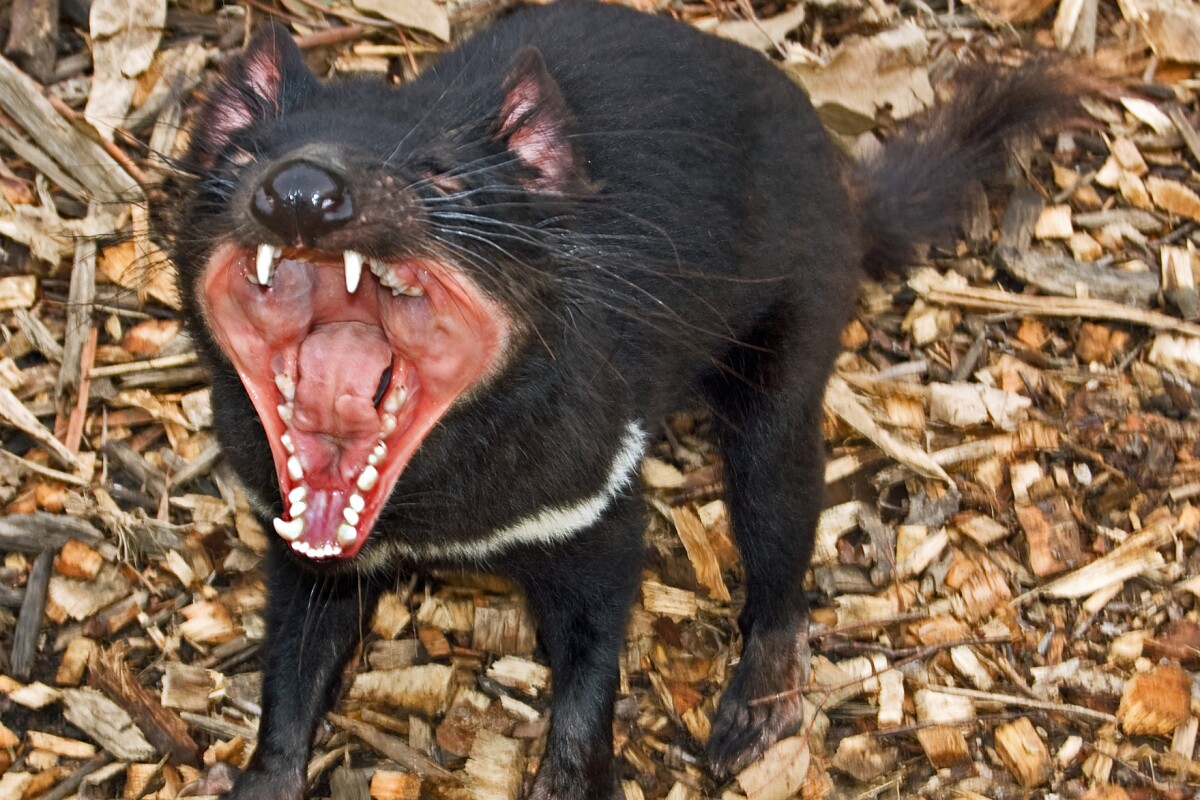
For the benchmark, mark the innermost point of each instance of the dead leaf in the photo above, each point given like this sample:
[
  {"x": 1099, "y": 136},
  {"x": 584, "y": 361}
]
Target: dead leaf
[
  {"x": 125, "y": 36},
  {"x": 1172, "y": 27},
  {"x": 868, "y": 74},
  {"x": 420, "y": 15}
]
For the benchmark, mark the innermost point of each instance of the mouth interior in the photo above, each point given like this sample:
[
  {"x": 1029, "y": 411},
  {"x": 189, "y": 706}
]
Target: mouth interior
[{"x": 349, "y": 369}]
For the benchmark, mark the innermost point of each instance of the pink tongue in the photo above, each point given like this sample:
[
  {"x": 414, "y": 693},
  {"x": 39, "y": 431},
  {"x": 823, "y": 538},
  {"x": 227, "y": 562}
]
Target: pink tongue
[{"x": 340, "y": 366}]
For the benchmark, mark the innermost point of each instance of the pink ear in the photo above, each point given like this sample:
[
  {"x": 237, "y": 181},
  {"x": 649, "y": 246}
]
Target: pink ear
[
  {"x": 255, "y": 87},
  {"x": 533, "y": 122}
]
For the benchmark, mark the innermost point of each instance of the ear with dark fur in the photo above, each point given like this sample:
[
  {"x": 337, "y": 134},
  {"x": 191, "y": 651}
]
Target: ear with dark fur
[
  {"x": 533, "y": 123},
  {"x": 263, "y": 82}
]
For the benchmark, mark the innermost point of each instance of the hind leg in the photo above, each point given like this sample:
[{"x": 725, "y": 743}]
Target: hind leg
[{"x": 769, "y": 424}]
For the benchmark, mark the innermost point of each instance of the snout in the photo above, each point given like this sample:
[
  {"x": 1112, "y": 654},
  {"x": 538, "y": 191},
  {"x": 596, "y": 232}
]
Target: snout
[{"x": 302, "y": 201}]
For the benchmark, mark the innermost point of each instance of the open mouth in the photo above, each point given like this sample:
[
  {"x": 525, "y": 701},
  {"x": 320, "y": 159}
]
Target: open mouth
[{"x": 349, "y": 361}]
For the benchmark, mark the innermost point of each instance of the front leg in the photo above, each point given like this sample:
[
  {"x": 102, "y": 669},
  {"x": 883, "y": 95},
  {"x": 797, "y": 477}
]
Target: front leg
[
  {"x": 313, "y": 624},
  {"x": 580, "y": 593}
]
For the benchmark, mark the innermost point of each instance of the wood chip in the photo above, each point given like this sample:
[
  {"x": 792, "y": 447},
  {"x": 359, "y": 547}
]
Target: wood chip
[
  {"x": 1155, "y": 703},
  {"x": 700, "y": 553},
  {"x": 496, "y": 766},
  {"x": 424, "y": 688},
  {"x": 106, "y": 723},
  {"x": 1023, "y": 752},
  {"x": 779, "y": 772}
]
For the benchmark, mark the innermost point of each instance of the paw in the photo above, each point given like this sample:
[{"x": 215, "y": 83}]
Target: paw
[
  {"x": 555, "y": 781},
  {"x": 224, "y": 781},
  {"x": 762, "y": 703}
]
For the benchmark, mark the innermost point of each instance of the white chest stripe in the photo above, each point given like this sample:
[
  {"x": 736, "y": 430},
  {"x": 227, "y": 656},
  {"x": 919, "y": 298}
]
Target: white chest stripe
[{"x": 551, "y": 525}]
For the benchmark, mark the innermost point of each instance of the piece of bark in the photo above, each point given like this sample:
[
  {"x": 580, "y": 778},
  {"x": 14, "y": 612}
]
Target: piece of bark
[
  {"x": 778, "y": 773},
  {"x": 107, "y": 723},
  {"x": 496, "y": 767},
  {"x": 424, "y": 688},
  {"x": 394, "y": 748},
  {"x": 943, "y": 745},
  {"x": 74, "y": 661},
  {"x": 504, "y": 627},
  {"x": 1179, "y": 641},
  {"x": 108, "y": 672},
  {"x": 77, "y": 560},
  {"x": 86, "y": 161},
  {"x": 527, "y": 677},
  {"x": 32, "y": 533},
  {"x": 1023, "y": 752},
  {"x": 1156, "y": 702},
  {"x": 187, "y": 687},
  {"x": 699, "y": 551},
  {"x": 862, "y": 757},
  {"x": 392, "y": 785},
  {"x": 25, "y": 635},
  {"x": 1052, "y": 536},
  {"x": 669, "y": 601},
  {"x": 349, "y": 784}
]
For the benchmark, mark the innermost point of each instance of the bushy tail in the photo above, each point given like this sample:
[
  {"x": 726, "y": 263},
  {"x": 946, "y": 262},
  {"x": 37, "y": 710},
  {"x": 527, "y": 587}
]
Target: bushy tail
[{"x": 912, "y": 193}]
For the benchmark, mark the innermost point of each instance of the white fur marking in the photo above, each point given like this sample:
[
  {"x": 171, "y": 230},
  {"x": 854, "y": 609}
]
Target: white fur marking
[{"x": 552, "y": 525}]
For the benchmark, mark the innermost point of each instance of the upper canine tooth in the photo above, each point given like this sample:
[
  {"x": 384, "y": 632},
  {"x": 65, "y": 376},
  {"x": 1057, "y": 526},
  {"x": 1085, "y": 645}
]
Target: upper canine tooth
[
  {"x": 290, "y": 530},
  {"x": 354, "y": 265},
  {"x": 264, "y": 263}
]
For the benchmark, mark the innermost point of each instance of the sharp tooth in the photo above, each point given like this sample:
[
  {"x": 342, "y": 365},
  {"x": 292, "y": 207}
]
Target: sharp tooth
[
  {"x": 377, "y": 455},
  {"x": 286, "y": 386},
  {"x": 350, "y": 515},
  {"x": 366, "y": 481},
  {"x": 357, "y": 503},
  {"x": 285, "y": 411},
  {"x": 389, "y": 425},
  {"x": 297, "y": 495},
  {"x": 295, "y": 468},
  {"x": 297, "y": 509},
  {"x": 288, "y": 444},
  {"x": 289, "y": 530},
  {"x": 346, "y": 535},
  {"x": 264, "y": 264},
  {"x": 354, "y": 265}
]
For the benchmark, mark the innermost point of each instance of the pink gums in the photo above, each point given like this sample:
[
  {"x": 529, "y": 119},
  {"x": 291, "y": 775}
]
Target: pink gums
[{"x": 337, "y": 348}]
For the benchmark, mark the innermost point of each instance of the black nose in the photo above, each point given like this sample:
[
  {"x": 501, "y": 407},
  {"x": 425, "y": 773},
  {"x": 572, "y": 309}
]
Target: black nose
[{"x": 302, "y": 200}]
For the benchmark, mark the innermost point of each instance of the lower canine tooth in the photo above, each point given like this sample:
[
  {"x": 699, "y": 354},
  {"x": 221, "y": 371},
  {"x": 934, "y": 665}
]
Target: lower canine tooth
[
  {"x": 290, "y": 530},
  {"x": 366, "y": 481},
  {"x": 346, "y": 534}
]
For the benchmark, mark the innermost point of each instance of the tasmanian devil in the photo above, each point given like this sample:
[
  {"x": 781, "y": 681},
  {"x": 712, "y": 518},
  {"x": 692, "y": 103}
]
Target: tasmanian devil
[{"x": 443, "y": 319}]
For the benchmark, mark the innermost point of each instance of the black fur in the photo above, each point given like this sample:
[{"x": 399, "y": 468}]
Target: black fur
[{"x": 691, "y": 235}]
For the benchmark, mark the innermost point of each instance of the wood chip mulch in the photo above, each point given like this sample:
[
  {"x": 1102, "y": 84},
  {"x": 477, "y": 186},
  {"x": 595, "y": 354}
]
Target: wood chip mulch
[{"x": 1007, "y": 580}]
